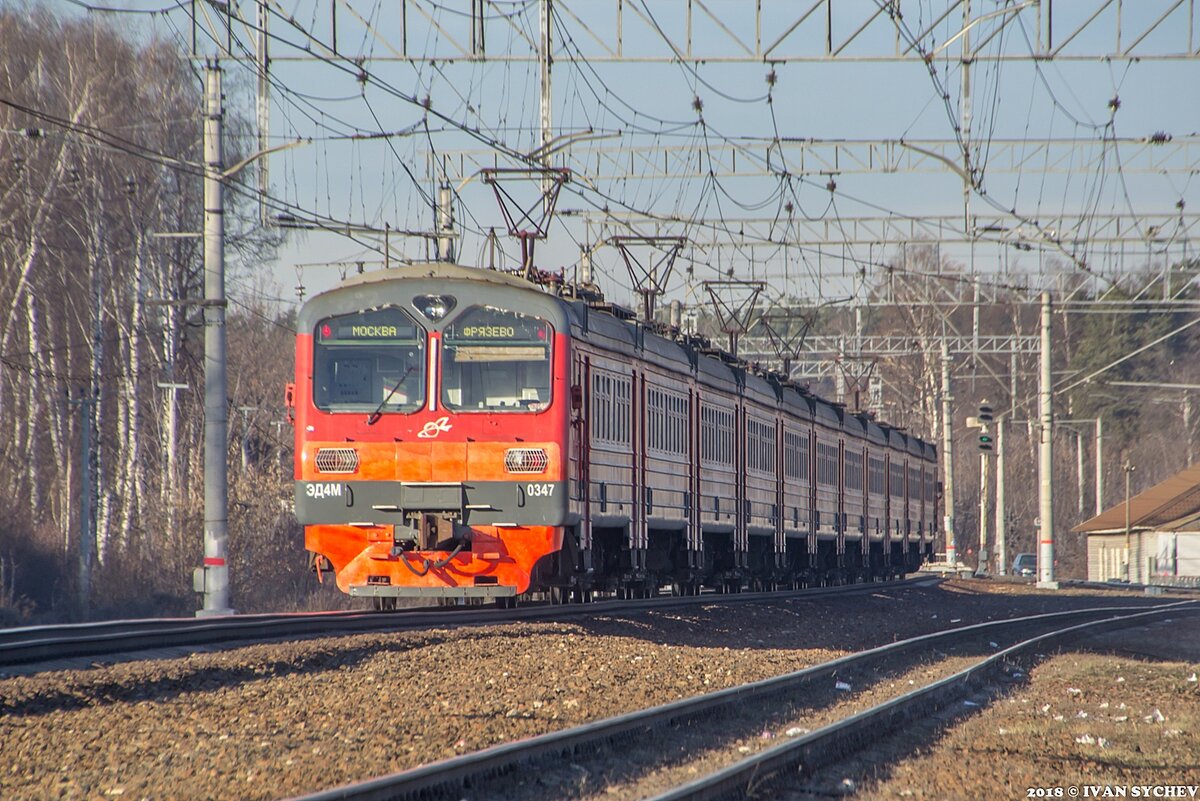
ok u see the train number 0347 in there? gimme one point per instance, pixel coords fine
(539, 490)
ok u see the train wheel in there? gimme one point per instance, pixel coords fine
(558, 595)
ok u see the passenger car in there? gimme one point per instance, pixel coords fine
(1025, 565)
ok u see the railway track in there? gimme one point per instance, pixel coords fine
(51, 643)
(482, 773)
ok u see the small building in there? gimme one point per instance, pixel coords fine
(1159, 541)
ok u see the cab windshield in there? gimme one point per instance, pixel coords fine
(369, 361)
(496, 360)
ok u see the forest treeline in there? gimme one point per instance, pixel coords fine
(100, 151)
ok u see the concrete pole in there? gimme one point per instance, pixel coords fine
(213, 577)
(1099, 465)
(585, 265)
(1001, 554)
(1046, 460)
(1187, 425)
(1012, 384)
(1129, 576)
(966, 139)
(547, 97)
(445, 223)
(263, 106)
(1079, 473)
(948, 458)
(984, 509)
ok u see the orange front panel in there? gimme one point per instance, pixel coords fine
(376, 461)
(413, 462)
(341, 544)
(485, 462)
(432, 461)
(448, 461)
(506, 554)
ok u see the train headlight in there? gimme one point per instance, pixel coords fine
(434, 307)
(337, 460)
(525, 460)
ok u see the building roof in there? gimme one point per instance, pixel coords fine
(1167, 506)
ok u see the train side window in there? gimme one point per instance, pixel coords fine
(854, 471)
(624, 409)
(791, 454)
(760, 444)
(667, 422)
(610, 408)
(875, 468)
(601, 406)
(716, 429)
(827, 464)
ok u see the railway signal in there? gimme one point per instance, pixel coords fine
(985, 435)
(982, 421)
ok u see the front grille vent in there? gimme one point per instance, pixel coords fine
(337, 460)
(525, 460)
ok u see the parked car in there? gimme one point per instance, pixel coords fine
(1025, 565)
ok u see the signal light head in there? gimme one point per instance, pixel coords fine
(985, 442)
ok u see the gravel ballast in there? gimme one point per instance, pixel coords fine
(272, 720)
(1088, 724)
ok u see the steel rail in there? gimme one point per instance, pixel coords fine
(827, 745)
(1166, 589)
(48, 643)
(448, 777)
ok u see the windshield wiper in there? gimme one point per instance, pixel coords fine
(374, 416)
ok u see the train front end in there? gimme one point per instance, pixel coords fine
(431, 409)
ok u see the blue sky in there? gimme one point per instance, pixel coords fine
(637, 105)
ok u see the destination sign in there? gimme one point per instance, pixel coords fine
(492, 324)
(489, 332)
(379, 324)
(388, 331)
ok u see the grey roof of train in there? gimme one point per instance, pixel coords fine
(827, 413)
(877, 433)
(357, 290)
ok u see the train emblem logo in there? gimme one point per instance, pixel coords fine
(434, 427)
